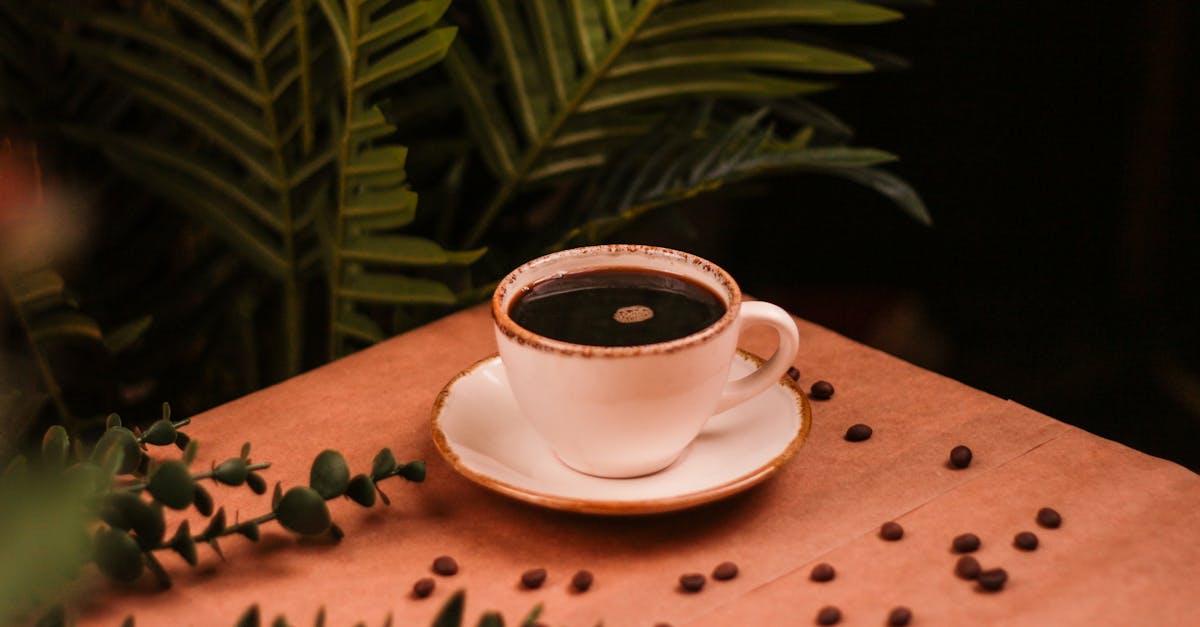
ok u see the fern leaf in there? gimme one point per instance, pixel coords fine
(576, 71)
(371, 263)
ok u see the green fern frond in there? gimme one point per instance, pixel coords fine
(571, 78)
(701, 152)
(371, 259)
(275, 142)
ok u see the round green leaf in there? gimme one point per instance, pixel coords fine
(256, 483)
(183, 544)
(203, 501)
(172, 485)
(231, 471)
(118, 556)
(414, 471)
(122, 440)
(127, 511)
(330, 475)
(361, 490)
(161, 433)
(384, 464)
(303, 511)
(55, 447)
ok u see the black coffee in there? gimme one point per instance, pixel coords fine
(616, 307)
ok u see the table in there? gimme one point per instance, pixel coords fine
(1128, 551)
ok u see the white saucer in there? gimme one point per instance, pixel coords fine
(481, 432)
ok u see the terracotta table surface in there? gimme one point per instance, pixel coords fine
(1128, 552)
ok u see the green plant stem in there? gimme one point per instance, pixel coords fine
(535, 151)
(138, 487)
(227, 531)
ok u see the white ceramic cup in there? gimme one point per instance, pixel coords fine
(628, 411)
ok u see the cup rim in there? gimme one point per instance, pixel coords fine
(522, 336)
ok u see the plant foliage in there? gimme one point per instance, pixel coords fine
(289, 161)
(106, 506)
(580, 87)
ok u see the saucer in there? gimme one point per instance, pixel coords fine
(478, 428)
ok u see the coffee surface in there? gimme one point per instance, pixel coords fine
(616, 307)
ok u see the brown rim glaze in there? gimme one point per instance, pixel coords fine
(618, 508)
(525, 337)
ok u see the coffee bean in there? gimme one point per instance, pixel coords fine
(992, 580)
(821, 391)
(967, 567)
(424, 587)
(829, 615)
(1049, 518)
(822, 572)
(966, 543)
(899, 616)
(960, 456)
(582, 580)
(725, 571)
(533, 578)
(1026, 541)
(692, 582)
(858, 433)
(891, 531)
(794, 373)
(445, 565)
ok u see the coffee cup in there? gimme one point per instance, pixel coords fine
(618, 354)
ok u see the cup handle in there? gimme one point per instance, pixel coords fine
(753, 314)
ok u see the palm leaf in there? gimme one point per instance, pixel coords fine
(575, 73)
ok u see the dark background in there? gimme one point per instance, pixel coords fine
(1054, 145)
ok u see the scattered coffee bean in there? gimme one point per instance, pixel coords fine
(821, 391)
(992, 580)
(725, 571)
(424, 587)
(967, 567)
(1049, 518)
(960, 456)
(582, 580)
(966, 543)
(692, 582)
(858, 433)
(445, 565)
(829, 615)
(822, 572)
(891, 531)
(794, 373)
(1026, 541)
(533, 578)
(899, 616)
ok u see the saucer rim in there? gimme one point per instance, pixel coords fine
(616, 508)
